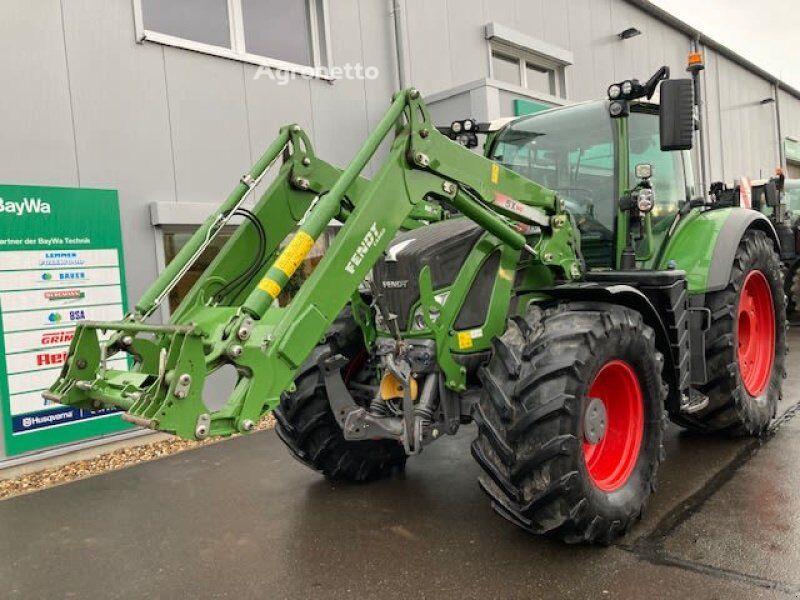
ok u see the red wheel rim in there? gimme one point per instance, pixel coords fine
(756, 333)
(611, 460)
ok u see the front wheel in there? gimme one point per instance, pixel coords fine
(307, 425)
(571, 421)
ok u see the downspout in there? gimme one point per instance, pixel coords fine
(781, 143)
(399, 40)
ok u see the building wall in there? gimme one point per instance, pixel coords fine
(85, 105)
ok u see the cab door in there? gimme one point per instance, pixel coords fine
(672, 179)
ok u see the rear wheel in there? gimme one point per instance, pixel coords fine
(571, 421)
(306, 424)
(746, 344)
(793, 288)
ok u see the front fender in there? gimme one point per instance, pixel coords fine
(705, 243)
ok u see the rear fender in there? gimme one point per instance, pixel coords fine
(705, 242)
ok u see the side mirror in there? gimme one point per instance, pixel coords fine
(676, 116)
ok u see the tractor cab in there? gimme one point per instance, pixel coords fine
(622, 166)
(593, 160)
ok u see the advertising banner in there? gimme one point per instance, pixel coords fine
(60, 264)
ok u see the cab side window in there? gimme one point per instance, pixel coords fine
(669, 178)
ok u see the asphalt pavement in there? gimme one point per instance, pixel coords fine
(241, 519)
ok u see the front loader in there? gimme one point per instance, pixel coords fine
(563, 307)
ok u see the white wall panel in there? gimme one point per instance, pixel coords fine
(121, 121)
(37, 145)
(208, 123)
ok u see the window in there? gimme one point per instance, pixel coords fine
(517, 67)
(285, 34)
(525, 61)
(506, 68)
(572, 153)
(669, 180)
(205, 21)
(175, 238)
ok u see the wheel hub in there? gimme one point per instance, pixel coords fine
(613, 425)
(756, 333)
(595, 421)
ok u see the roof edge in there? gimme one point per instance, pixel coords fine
(673, 21)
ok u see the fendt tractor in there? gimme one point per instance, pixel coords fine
(576, 291)
(779, 199)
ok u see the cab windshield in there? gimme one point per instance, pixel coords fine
(570, 152)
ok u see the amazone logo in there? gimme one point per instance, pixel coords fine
(371, 238)
(28, 205)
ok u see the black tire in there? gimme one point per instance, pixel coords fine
(530, 419)
(306, 424)
(731, 408)
(793, 289)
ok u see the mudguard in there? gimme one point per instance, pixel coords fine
(705, 243)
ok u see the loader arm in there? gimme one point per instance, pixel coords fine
(230, 316)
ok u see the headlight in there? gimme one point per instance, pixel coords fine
(616, 108)
(468, 125)
(627, 87)
(645, 200)
(456, 127)
(418, 320)
(614, 91)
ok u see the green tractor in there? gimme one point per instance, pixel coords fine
(579, 293)
(779, 199)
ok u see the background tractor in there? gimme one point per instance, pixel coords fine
(779, 199)
(582, 290)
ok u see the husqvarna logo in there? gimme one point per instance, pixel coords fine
(26, 206)
(372, 237)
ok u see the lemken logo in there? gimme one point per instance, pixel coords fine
(28, 205)
(371, 238)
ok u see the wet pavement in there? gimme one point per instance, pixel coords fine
(242, 519)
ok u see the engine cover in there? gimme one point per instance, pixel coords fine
(443, 247)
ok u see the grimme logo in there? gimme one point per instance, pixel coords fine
(56, 338)
(28, 205)
(55, 359)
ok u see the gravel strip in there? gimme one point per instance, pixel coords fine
(109, 461)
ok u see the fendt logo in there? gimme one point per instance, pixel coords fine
(27, 205)
(371, 238)
(57, 338)
(51, 360)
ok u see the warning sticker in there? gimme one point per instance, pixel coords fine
(495, 173)
(294, 254)
(464, 340)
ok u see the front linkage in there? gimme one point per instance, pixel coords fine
(230, 316)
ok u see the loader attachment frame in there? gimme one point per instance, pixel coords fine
(230, 316)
